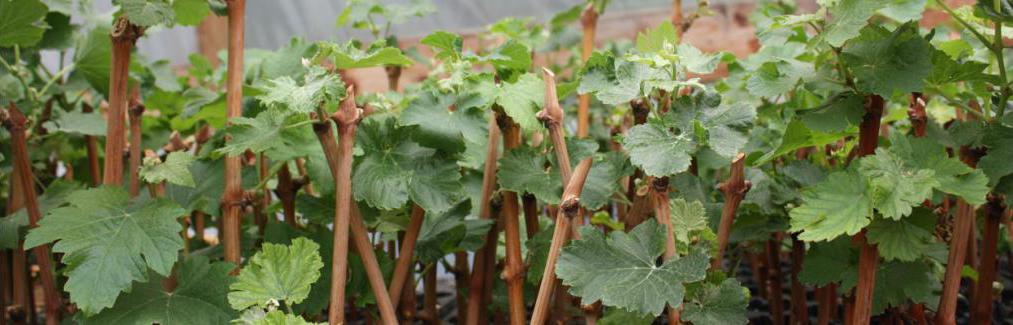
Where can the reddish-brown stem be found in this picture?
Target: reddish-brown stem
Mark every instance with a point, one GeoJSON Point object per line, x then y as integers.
{"type": "Point", "coordinates": [91, 144]}
{"type": "Point", "coordinates": [569, 209]}
{"type": "Point", "coordinates": [15, 122]}
{"type": "Point", "coordinates": [407, 298]}
{"type": "Point", "coordinates": [589, 24]}
{"type": "Point", "coordinates": [827, 303]}
{"type": "Point", "coordinates": [868, 258]}
{"type": "Point", "coordinates": [677, 16]}
{"type": "Point", "coordinates": [916, 113]}
{"type": "Point", "coordinates": [513, 271]}
{"type": "Point", "coordinates": [981, 306]}
{"type": "Point", "coordinates": [640, 202]}
{"type": "Point", "coordinates": [799, 309]}
{"type": "Point", "coordinates": [20, 311]}
{"type": "Point", "coordinates": [234, 108]}
{"type": "Point", "coordinates": [476, 285]}
{"type": "Point", "coordinates": [135, 113]}
{"type": "Point", "coordinates": [360, 238]}
{"type": "Point", "coordinates": [759, 268]}
{"type": "Point", "coordinates": [5, 284]}
{"type": "Point", "coordinates": [406, 256]}
{"type": "Point", "coordinates": [431, 313]}
{"type": "Point", "coordinates": [775, 294]}
{"type": "Point", "coordinates": [393, 76]}
{"type": "Point", "coordinates": [461, 284]}
{"type": "Point", "coordinates": [198, 218]}
{"type": "Point", "coordinates": [946, 312]}
{"type": "Point", "coordinates": [286, 192]}
{"type": "Point", "coordinates": [734, 190]}
{"type": "Point", "coordinates": [123, 35]}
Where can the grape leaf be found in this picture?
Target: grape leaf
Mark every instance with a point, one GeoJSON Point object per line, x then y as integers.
{"type": "Point", "coordinates": [895, 187]}
{"type": "Point", "coordinates": [615, 81]}
{"type": "Point", "coordinates": [437, 126]}
{"type": "Point", "coordinates": [446, 45]}
{"type": "Point", "coordinates": [317, 87]}
{"type": "Point", "coordinates": [78, 123]}
{"type": "Point", "coordinates": [279, 273]}
{"type": "Point", "coordinates": [620, 270]}
{"type": "Point", "coordinates": [522, 99]}
{"type": "Point", "coordinates": [349, 56]}
{"type": "Point", "coordinates": [839, 113]}
{"type": "Point", "coordinates": [686, 217]}
{"type": "Point", "coordinates": [603, 179]}
{"type": "Point", "coordinates": [199, 298]}
{"type": "Point", "coordinates": [110, 241]}
{"type": "Point", "coordinates": [838, 205]}
{"type": "Point", "coordinates": [797, 135]}
{"type": "Point", "coordinates": [450, 232]}
{"type": "Point", "coordinates": [55, 195]}
{"type": "Point", "coordinates": [537, 253]}
{"type": "Point", "coordinates": [654, 39]}
{"type": "Point", "coordinates": [696, 61]}
{"type": "Point", "coordinates": [986, 9]}
{"type": "Point", "coordinates": [849, 16]}
{"type": "Point", "coordinates": [704, 113]}
{"type": "Point", "coordinates": [952, 175]}
{"type": "Point", "coordinates": [775, 78]}
{"type": "Point", "coordinates": [906, 239]}
{"type": "Point", "coordinates": [996, 164]}
{"type": "Point", "coordinates": [619, 316]}
{"type": "Point", "coordinates": [904, 10]}
{"type": "Point", "coordinates": [830, 262]}
{"type": "Point", "coordinates": [148, 12]}
{"type": "Point", "coordinates": [897, 283]}
{"type": "Point", "coordinates": [277, 317]}
{"type": "Point", "coordinates": [190, 12]}
{"type": "Point", "coordinates": [885, 62]}
{"type": "Point", "coordinates": [21, 22]}
{"type": "Point", "coordinates": [656, 150]}
{"type": "Point", "coordinates": [396, 169]}
{"type": "Point", "coordinates": [93, 57]}
{"type": "Point", "coordinates": [718, 304]}
{"type": "Point", "coordinates": [267, 131]}
{"type": "Point", "coordinates": [175, 169]}
{"type": "Point", "coordinates": [526, 170]}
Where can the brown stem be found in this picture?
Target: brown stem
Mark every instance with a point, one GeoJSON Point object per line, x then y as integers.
{"type": "Point", "coordinates": [868, 259]}
{"type": "Point", "coordinates": [429, 296]}
{"type": "Point", "coordinates": [123, 35]}
{"type": "Point", "coordinates": [406, 255]}
{"type": "Point", "coordinates": [461, 284]}
{"type": "Point", "coordinates": [531, 213]}
{"type": "Point", "coordinates": [286, 192]}
{"type": "Point", "coordinates": [589, 24]}
{"type": "Point", "coordinates": [5, 284]}
{"type": "Point", "coordinates": [135, 112]}
{"type": "Point", "coordinates": [640, 206]}
{"type": "Point", "coordinates": [946, 312]}
{"type": "Point", "coordinates": [234, 108]}
{"type": "Point", "coordinates": [916, 113]}
{"type": "Point", "coordinates": [92, 147]}
{"type": "Point", "coordinates": [677, 16]}
{"type": "Point", "coordinates": [15, 122]}
{"type": "Point", "coordinates": [827, 304]}
{"type": "Point", "coordinates": [198, 218]}
{"type": "Point", "coordinates": [734, 190]}
{"type": "Point", "coordinates": [775, 294]}
{"type": "Point", "coordinates": [513, 272]}
{"type": "Point", "coordinates": [476, 283]}
{"type": "Point", "coordinates": [799, 309]}
{"type": "Point", "coordinates": [393, 76]}
{"type": "Point", "coordinates": [569, 209]}
{"type": "Point", "coordinates": [360, 238]}
{"type": "Point", "coordinates": [20, 311]}
{"type": "Point", "coordinates": [981, 310]}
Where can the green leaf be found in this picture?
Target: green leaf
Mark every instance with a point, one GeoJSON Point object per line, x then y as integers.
{"type": "Point", "coordinates": [277, 273]}
{"type": "Point", "coordinates": [898, 283]}
{"type": "Point", "coordinates": [885, 62]}
{"type": "Point", "coordinates": [437, 126]}
{"type": "Point", "coordinates": [21, 22]}
{"type": "Point", "coordinates": [654, 40]}
{"type": "Point", "coordinates": [986, 9]}
{"type": "Point", "coordinates": [317, 88]}
{"type": "Point", "coordinates": [265, 132]}
{"type": "Point", "coordinates": [996, 164]}
{"type": "Point", "coordinates": [109, 242]}
{"type": "Point", "coordinates": [718, 304]}
{"type": "Point", "coordinates": [78, 123]}
{"type": "Point", "coordinates": [947, 70]}
{"type": "Point", "coordinates": [349, 56]}
{"type": "Point", "coordinates": [830, 262]}
{"type": "Point", "coordinates": [797, 135]}
{"type": "Point", "coordinates": [521, 100]}
{"type": "Point", "coordinates": [838, 205]}
{"type": "Point", "coordinates": [906, 239]}
{"type": "Point", "coordinates": [526, 170]}
{"type": "Point", "coordinates": [952, 175]}
{"type": "Point", "coordinates": [164, 77]}
{"type": "Point", "coordinates": [904, 10]}
{"type": "Point", "coordinates": [395, 169]}
{"type": "Point", "coordinates": [537, 254]}
{"type": "Point", "coordinates": [849, 16]}
{"type": "Point", "coordinates": [775, 78]}
{"type": "Point", "coordinates": [620, 269]}
{"type": "Point", "coordinates": [446, 45]}
{"type": "Point", "coordinates": [895, 187]}
{"type": "Point", "coordinates": [93, 58]}
{"type": "Point", "coordinates": [602, 182]}
{"type": "Point", "coordinates": [148, 12]}
{"type": "Point", "coordinates": [696, 61]}
{"type": "Point", "coordinates": [60, 34]}
{"type": "Point", "coordinates": [190, 12]}
{"type": "Point", "coordinates": [175, 169]}
{"type": "Point", "coordinates": [686, 217]}
{"type": "Point", "coordinates": [658, 151]}
{"type": "Point", "coordinates": [199, 298]}
{"type": "Point", "coordinates": [838, 114]}
{"type": "Point", "coordinates": [274, 317]}
{"type": "Point", "coordinates": [615, 81]}
{"type": "Point", "coordinates": [55, 195]}
{"type": "Point", "coordinates": [720, 123]}
{"type": "Point", "coordinates": [511, 56]}
{"type": "Point", "coordinates": [450, 232]}
{"type": "Point", "coordinates": [619, 316]}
